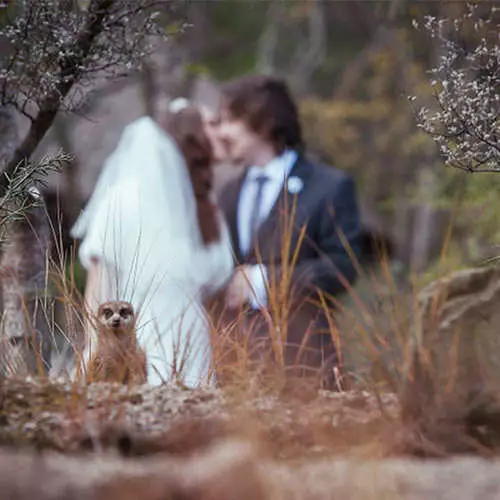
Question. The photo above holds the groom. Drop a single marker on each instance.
(289, 218)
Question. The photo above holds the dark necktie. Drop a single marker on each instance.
(254, 216)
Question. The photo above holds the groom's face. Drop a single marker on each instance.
(241, 141)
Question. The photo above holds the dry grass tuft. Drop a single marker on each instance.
(386, 412)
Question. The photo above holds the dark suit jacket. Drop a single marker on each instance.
(310, 237)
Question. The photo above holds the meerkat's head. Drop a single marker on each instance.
(116, 317)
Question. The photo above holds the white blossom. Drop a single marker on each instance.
(44, 49)
(466, 82)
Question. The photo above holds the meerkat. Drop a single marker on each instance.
(118, 358)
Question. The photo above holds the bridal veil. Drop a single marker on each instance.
(141, 225)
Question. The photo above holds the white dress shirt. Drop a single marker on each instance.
(277, 170)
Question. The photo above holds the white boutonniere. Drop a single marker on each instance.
(295, 185)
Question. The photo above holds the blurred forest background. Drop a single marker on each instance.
(352, 66)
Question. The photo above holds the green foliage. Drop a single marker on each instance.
(371, 133)
(7, 10)
(76, 273)
(479, 211)
(234, 39)
(173, 28)
(19, 196)
(197, 69)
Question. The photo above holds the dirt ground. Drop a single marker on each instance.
(109, 441)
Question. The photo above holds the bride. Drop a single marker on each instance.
(152, 235)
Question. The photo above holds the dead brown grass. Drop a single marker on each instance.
(377, 357)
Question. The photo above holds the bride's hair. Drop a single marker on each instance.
(186, 127)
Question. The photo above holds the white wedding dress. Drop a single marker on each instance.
(141, 224)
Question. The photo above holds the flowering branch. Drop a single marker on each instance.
(466, 86)
(55, 47)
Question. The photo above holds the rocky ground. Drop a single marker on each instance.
(63, 441)
(60, 416)
(108, 441)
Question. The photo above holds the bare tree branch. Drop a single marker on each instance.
(57, 44)
(69, 74)
(466, 83)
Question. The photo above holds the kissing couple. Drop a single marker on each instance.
(153, 234)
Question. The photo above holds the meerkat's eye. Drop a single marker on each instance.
(125, 312)
(107, 313)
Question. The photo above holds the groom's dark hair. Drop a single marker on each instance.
(266, 105)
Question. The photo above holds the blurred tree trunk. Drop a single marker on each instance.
(73, 197)
(25, 334)
(312, 54)
(267, 43)
(26, 317)
(149, 88)
(424, 220)
(165, 77)
(426, 230)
